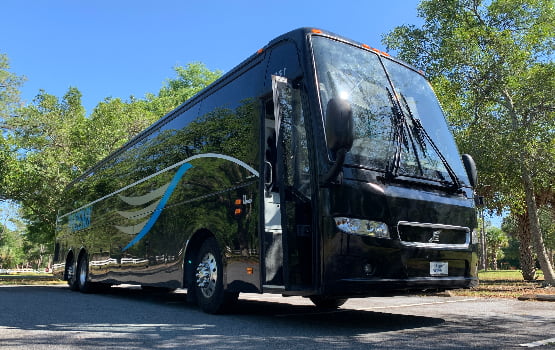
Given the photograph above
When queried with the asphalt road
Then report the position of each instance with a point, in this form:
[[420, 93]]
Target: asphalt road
[[52, 317]]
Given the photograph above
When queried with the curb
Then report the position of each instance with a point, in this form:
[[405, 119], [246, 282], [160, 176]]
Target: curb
[[537, 297]]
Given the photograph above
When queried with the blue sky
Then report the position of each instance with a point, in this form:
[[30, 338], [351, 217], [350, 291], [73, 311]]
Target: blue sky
[[118, 48]]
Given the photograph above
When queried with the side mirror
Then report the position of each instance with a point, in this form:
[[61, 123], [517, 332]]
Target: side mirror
[[470, 167], [339, 134], [339, 124]]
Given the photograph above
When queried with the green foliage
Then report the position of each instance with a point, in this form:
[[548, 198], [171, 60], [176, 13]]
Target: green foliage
[[547, 222], [9, 102], [45, 138], [500, 275], [511, 253], [190, 80], [495, 240], [9, 88], [491, 63], [12, 241], [11, 249], [492, 66]]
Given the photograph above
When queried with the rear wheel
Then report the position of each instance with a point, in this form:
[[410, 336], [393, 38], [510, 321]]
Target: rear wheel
[[209, 290], [326, 302], [85, 286], [71, 271]]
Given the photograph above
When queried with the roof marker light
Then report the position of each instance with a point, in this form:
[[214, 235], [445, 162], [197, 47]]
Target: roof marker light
[[316, 31]]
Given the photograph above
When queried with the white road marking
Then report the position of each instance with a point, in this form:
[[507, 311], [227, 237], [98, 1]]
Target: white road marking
[[417, 304], [539, 343]]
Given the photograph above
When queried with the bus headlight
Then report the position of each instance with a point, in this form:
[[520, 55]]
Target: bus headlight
[[362, 227]]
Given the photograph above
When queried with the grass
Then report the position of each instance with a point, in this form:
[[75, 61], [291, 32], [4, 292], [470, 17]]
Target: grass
[[505, 284], [29, 279], [504, 275]]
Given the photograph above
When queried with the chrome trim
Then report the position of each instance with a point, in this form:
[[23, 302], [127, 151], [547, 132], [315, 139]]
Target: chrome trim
[[435, 226]]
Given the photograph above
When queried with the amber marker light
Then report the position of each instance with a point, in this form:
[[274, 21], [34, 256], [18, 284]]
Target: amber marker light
[[250, 270], [316, 31]]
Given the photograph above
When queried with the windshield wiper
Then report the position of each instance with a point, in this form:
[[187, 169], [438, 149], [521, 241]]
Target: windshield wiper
[[421, 133], [398, 129]]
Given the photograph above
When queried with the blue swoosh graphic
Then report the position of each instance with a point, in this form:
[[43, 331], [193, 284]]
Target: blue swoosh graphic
[[178, 175]]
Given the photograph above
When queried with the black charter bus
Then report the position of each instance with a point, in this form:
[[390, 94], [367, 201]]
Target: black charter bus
[[318, 167]]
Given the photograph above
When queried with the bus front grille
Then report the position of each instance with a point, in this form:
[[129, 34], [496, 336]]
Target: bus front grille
[[416, 233]]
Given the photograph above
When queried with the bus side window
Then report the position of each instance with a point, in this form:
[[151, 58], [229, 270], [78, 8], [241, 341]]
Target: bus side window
[[270, 148]]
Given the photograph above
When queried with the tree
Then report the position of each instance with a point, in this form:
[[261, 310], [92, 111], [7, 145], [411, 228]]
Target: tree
[[491, 63], [46, 139], [496, 239], [9, 103], [547, 222], [12, 240], [9, 88]]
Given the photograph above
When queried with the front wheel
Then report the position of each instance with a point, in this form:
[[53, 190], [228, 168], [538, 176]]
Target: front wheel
[[209, 289], [325, 302]]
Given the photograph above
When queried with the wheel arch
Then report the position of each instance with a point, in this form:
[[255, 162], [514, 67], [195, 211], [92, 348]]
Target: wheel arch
[[191, 249]]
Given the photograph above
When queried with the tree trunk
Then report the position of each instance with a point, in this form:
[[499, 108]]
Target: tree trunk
[[483, 248], [527, 261], [529, 194], [534, 221]]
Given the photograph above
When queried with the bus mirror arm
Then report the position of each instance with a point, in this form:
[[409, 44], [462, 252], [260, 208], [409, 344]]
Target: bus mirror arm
[[470, 167], [336, 167]]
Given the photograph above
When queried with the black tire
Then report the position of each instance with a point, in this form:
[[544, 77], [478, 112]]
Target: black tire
[[85, 286], [208, 282], [71, 271], [326, 302]]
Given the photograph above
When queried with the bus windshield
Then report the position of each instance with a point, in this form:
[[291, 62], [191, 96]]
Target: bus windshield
[[398, 124]]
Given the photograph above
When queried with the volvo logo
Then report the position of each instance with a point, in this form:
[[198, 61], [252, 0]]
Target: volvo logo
[[435, 237]]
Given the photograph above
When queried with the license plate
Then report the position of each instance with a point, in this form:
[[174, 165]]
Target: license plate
[[439, 268]]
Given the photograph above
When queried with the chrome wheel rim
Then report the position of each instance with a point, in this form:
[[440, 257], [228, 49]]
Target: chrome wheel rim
[[207, 275]]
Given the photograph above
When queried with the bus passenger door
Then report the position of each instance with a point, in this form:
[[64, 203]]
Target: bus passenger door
[[288, 242]]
